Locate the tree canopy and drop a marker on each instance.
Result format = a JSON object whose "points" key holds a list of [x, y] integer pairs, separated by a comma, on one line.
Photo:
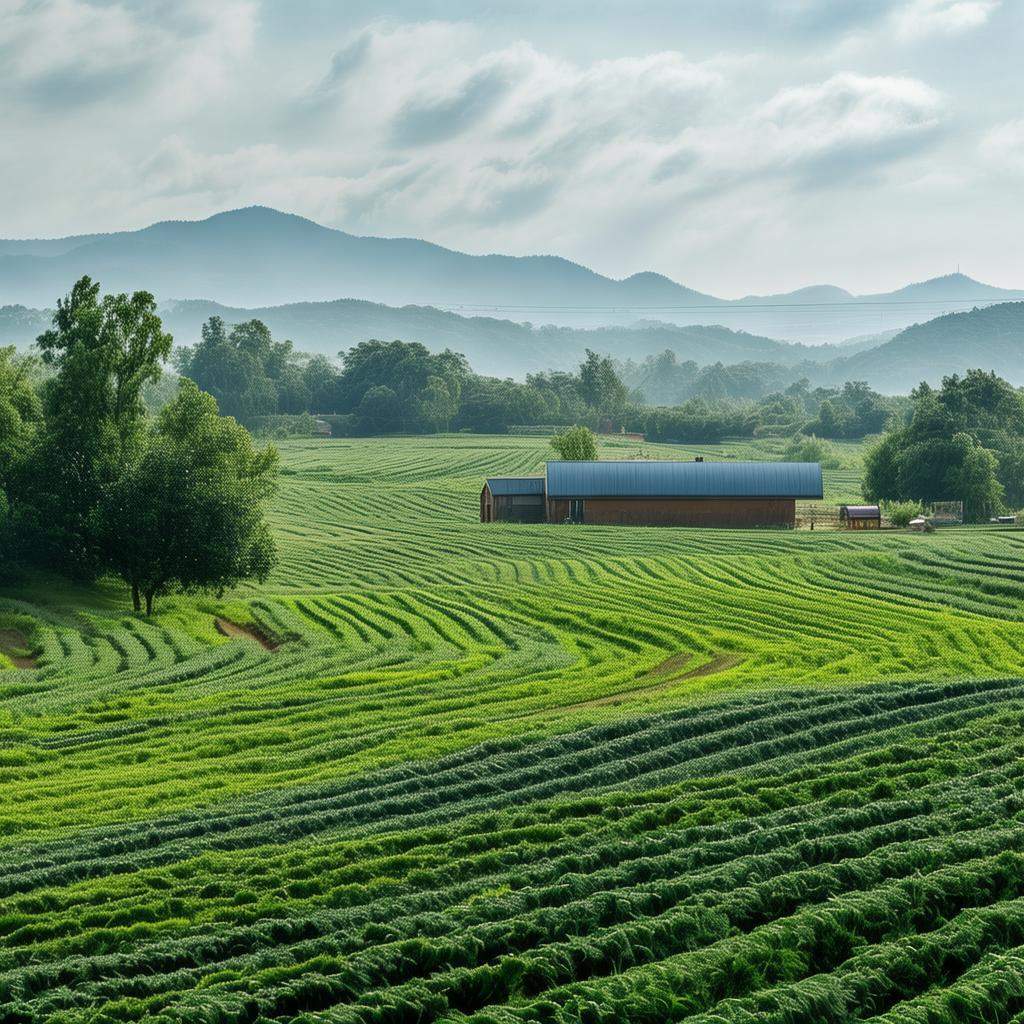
{"points": [[103, 352], [962, 442], [90, 485], [577, 444], [187, 516]]}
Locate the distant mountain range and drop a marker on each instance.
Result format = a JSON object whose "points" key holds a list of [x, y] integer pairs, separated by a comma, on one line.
{"points": [[501, 348], [258, 258], [990, 337]]}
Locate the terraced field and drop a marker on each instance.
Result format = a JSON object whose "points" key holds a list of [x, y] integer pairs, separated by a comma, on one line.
{"points": [[521, 773]]}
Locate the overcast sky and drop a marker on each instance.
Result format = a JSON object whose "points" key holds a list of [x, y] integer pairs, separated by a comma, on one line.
{"points": [[738, 146]]}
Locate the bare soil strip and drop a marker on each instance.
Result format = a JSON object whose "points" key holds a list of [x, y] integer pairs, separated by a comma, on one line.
{"points": [[232, 629], [12, 640], [719, 663]]}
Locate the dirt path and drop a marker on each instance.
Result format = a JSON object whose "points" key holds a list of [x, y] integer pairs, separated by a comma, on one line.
{"points": [[12, 640], [719, 663], [232, 629]]}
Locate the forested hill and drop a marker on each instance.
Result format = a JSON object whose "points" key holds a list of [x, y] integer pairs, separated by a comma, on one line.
{"points": [[259, 257], [499, 347], [991, 338]]}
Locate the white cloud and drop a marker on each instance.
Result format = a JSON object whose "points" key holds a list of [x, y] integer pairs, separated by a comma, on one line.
{"points": [[849, 114], [481, 139], [926, 17], [64, 54], [1002, 148]]}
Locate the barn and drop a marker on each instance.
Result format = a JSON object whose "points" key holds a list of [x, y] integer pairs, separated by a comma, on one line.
{"points": [[512, 499], [655, 493], [698, 493]]}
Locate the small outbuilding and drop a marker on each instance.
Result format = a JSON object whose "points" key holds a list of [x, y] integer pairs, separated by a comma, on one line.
{"points": [[860, 517], [512, 499]]}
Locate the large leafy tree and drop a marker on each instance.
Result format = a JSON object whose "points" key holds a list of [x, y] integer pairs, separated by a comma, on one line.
{"points": [[238, 366], [20, 415], [599, 385], [188, 515], [963, 442], [104, 351], [400, 386]]}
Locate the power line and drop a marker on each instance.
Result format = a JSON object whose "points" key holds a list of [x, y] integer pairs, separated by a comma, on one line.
{"points": [[730, 306]]}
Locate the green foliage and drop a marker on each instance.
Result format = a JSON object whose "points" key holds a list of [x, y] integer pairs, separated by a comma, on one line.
{"points": [[237, 366], [899, 513], [577, 444], [811, 449], [599, 386], [187, 515], [104, 353], [20, 416], [523, 775], [777, 399], [963, 442]]}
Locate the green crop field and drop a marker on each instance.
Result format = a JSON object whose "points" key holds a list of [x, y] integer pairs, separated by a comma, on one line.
{"points": [[445, 771]]}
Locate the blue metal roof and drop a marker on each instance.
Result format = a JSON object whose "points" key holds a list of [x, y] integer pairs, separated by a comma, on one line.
{"points": [[503, 485], [662, 479]]}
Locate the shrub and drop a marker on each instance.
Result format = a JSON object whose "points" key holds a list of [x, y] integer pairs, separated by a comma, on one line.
{"points": [[575, 444], [811, 449], [900, 513]]}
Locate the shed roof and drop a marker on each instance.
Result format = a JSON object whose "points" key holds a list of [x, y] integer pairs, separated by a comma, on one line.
{"points": [[662, 479], [862, 512], [506, 485]]}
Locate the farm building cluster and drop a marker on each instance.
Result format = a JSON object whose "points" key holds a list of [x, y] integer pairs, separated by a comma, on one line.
{"points": [[655, 493]]}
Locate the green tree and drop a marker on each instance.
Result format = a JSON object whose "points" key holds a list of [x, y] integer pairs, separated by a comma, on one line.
{"points": [[971, 476], [20, 415], [599, 385], [104, 352], [811, 449], [321, 379], [577, 444], [963, 441], [384, 383], [188, 515], [235, 367], [439, 403]]}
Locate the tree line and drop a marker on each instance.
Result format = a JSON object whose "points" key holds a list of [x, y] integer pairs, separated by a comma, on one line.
{"points": [[91, 485], [380, 387]]}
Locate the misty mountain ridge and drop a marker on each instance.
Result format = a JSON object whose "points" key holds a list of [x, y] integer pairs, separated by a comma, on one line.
{"points": [[258, 257], [991, 337]]}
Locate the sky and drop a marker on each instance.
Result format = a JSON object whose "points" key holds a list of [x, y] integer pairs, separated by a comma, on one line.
{"points": [[737, 146]]}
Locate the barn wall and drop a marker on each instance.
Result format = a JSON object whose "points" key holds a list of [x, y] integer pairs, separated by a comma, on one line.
{"points": [[518, 508], [680, 511]]}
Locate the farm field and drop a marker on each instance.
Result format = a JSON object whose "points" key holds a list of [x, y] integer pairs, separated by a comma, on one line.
{"points": [[516, 773]]}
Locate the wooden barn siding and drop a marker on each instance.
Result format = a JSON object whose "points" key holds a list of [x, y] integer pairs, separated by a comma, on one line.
{"points": [[680, 511], [507, 508]]}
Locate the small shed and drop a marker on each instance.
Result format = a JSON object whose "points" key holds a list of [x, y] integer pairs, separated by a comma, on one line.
{"points": [[512, 499], [860, 517]]}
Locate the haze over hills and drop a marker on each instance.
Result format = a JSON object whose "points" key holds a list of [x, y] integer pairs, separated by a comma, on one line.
{"points": [[502, 348], [258, 257], [990, 337]]}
